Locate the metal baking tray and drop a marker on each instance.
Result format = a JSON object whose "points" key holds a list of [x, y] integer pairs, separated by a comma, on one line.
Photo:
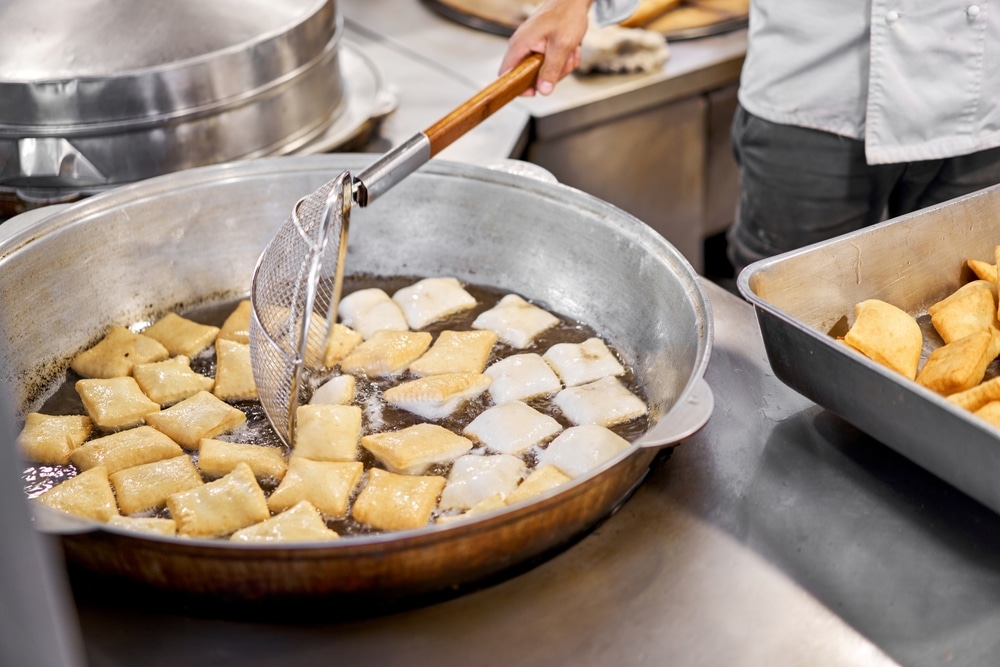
{"points": [[806, 297]]}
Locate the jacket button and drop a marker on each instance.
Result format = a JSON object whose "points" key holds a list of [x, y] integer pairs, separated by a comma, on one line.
{"points": [[972, 11], [892, 16]]}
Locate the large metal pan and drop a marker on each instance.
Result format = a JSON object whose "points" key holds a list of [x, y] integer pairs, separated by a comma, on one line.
{"points": [[194, 236]]}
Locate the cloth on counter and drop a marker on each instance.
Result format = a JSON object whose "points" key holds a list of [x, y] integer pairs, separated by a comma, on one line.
{"points": [[616, 50]]}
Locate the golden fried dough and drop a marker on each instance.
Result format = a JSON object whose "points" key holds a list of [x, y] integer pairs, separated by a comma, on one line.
{"points": [[959, 365], [887, 335], [971, 307]]}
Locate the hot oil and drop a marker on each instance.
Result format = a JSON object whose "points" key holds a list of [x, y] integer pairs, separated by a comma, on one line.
{"points": [[377, 415]]}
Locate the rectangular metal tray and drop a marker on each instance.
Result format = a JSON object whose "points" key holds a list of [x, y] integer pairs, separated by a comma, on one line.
{"points": [[912, 262]]}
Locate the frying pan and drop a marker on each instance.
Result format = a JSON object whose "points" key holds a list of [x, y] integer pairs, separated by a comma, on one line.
{"points": [[193, 237]]}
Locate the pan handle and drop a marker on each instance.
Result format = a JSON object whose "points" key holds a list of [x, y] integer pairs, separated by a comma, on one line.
{"points": [[683, 420], [403, 160]]}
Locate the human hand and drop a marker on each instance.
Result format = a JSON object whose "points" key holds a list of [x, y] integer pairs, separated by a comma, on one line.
{"points": [[556, 30]]}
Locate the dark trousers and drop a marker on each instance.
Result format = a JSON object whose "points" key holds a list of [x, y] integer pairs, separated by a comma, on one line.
{"points": [[800, 186]]}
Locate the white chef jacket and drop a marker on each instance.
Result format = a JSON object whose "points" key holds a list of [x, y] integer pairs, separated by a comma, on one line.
{"points": [[914, 79]]}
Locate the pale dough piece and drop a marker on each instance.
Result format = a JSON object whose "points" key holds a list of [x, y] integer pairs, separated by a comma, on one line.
{"points": [[87, 495], [181, 335], [475, 478], [233, 373], [328, 485], [512, 427], [488, 504], [580, 449], [218, 457], [201, 416], [220, 507], [338, 390], [397, 502], [327, 432], [149, 485], [301, 523], [605, 402], [341, 341], [237, 326], [145, 524], [580, 363], [456, 352], [50, 439], [115, 402], [521, 377], [386, 353], [117, 353], [125, 449], [437, 396], [412, 450], [368, 311], [171, 380], [431, 299], [516, 321], [542, 479]]}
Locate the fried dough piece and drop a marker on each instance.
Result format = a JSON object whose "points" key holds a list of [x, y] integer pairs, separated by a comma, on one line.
{"points": [[431, 299], [301, 523], [115, 403], [990, 412], [125, 449], [181, 335], [978, 396], [456, 352], [328, 485], [511, 427], [605, 402], [145, 524], [117, 353], [542, 479], [338, 390], [580, 363], [237, 326], [983, 270], [521, 377], [887, 335], [51, 439], [437, 396], [233, 374], [386, 353], [201, 416], [368, 311], [87, 495], [959, 365], [219, 457], [971, 307], [516, 321], [327, 432], [412, 450], [220, 507], [579, 449], [150, 484], [171, 380], [397, 502], [339, 343], [474, 479]]}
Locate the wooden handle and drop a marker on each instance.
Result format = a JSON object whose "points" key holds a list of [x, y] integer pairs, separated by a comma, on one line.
{"points": [[484, 104], [647, 11]]}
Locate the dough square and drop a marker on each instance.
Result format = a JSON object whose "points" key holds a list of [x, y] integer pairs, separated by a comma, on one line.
{"points": [[237, 325], [512, 427], [219, 457], [386, 353], [327, 432], [605, 402], [887, 335], [475, 478], [972, 307], [181, 335], [542, 479], [220, 507], [580, 363], [124, 449], [397, 502], [117, 353], [200, 416], [368, 311], [328, 485], [115, 403], [339, 343], [87, 495], [580, 449], [431, 299], [148, 486], [456, 352], [516, 321], [412, 450], [488, 504], [338, 390], [233, 373], [171, 380], [437, 396], [50, 439], [301, 523], [521, 377], [145, 524], [959, 365]]}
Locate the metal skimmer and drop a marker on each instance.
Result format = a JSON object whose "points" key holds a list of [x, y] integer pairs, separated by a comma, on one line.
{"points": [[298, 279]]}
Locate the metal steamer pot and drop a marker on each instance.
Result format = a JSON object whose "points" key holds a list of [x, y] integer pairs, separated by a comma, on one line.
{"points": [[191, 237]]}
